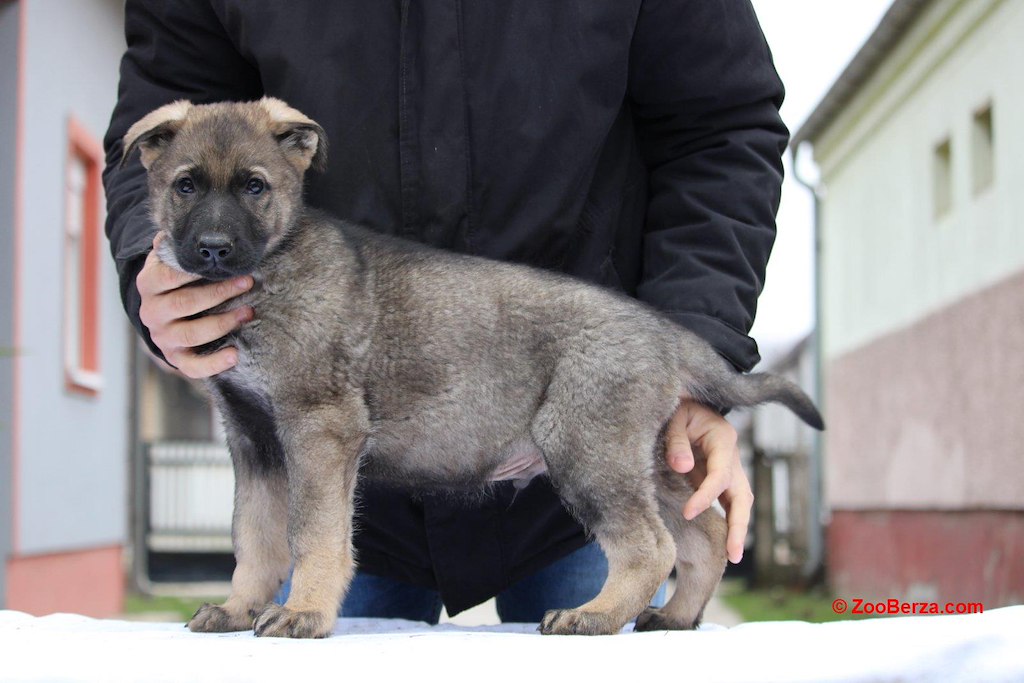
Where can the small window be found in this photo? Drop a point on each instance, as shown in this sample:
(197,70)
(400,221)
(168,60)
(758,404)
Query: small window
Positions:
(982,161)
(81,261)
(942,178)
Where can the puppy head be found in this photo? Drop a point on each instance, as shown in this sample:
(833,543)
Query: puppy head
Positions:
(225,180)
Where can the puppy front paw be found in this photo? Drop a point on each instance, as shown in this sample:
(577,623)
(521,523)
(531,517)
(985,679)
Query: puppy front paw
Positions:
(215,619)
(277,621)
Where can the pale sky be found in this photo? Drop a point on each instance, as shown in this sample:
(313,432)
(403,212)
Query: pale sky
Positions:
(812,41)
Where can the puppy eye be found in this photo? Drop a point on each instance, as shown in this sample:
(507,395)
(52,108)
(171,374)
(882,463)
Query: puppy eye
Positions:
(255,186)
(185,186)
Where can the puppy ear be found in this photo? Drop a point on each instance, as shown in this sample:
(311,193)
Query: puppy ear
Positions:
(302,139)
(154,131)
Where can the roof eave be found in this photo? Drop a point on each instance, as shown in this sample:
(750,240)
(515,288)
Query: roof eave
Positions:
(893,26)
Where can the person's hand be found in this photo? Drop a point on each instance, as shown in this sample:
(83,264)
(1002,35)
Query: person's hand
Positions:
(717,471)
(172,313)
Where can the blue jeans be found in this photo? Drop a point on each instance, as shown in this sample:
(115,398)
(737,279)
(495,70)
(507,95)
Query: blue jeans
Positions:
(569,582)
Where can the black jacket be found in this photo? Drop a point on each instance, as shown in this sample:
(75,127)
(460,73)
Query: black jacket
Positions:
(632,143)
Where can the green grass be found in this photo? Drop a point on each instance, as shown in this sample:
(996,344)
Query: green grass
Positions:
(182,608)
(782,603)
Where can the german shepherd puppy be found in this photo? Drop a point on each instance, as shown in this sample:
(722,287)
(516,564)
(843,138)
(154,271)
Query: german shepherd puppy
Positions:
(373,356)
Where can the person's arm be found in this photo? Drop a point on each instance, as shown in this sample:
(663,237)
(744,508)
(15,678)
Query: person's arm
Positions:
(705,97)
(176,50)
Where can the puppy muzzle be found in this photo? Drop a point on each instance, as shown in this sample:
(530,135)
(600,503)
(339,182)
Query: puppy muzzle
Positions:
(219,241)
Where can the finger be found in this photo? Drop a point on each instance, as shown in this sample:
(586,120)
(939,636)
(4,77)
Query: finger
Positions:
(719,447)
(188,301)
(740,504)
(678,451)
(710,489)
(191,333)
(156,277)
(195,366)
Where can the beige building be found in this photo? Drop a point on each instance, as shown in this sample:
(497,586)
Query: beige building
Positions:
(921,228)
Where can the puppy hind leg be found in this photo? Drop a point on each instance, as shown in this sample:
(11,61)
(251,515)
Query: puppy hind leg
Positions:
(639,552)
(700,557)
(609,491)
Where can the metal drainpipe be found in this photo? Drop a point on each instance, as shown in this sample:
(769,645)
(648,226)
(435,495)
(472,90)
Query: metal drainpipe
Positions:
(816,542)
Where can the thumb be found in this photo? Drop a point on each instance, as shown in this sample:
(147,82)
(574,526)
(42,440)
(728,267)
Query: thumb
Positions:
(678,452)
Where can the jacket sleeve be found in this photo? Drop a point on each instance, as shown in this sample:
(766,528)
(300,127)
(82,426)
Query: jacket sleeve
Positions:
(705,98)
(176,50)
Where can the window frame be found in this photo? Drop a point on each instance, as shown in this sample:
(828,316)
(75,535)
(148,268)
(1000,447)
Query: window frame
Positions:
(81,338)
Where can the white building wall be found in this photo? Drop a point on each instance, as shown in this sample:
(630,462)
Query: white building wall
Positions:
(887,260)
(73,453)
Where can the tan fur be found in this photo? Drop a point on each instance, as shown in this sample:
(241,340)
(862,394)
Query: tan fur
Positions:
(170,115)
(262,561)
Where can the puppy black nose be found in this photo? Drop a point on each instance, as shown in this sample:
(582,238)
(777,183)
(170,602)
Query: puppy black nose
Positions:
(214,248)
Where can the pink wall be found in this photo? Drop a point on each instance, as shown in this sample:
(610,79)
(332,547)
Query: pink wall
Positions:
(924,466)
(89,582)
(930,416)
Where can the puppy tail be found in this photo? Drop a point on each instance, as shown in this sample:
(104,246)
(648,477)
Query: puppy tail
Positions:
(715,382)
(754,389)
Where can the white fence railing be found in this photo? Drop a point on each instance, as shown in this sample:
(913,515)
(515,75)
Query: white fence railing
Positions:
(191,491)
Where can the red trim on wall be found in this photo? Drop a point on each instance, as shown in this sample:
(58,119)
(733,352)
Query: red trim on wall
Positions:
(931,555)
(89,582)
(86,149)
